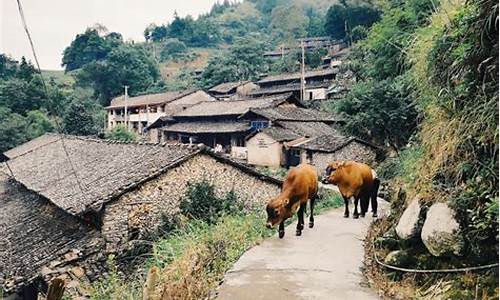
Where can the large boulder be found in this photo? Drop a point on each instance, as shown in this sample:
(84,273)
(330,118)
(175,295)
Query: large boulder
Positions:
(407,226)
(441,231)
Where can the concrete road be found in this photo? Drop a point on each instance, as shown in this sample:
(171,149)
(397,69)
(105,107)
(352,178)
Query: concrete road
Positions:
(324,263)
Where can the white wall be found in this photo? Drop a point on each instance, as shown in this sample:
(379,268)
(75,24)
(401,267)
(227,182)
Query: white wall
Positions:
(264,151)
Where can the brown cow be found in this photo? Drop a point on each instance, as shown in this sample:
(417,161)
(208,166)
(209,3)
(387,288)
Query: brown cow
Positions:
(355,180)
(301,184)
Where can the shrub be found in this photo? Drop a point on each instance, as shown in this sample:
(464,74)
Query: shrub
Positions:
(121,133)
(173,48)
(202,203)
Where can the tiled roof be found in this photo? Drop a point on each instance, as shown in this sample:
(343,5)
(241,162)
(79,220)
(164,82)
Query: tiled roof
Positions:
(234,107)
(207,127)
(292,114)
(31,145)
(105,169)
(226,87)
(281,134)
(150,99)
(292,87)
(297,76)
(331,143)
(35,233)
(308,129)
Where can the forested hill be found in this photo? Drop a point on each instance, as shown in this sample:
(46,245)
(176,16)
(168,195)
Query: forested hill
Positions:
(225,44)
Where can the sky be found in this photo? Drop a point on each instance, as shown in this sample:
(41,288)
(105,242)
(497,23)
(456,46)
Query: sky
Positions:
(54,24)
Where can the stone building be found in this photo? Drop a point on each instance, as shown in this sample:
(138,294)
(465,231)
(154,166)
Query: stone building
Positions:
(68,202)
(218,124)
(317,83)
(321,150)
(268,145)
(141,111)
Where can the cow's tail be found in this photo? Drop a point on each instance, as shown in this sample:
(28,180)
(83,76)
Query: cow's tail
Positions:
(376,185)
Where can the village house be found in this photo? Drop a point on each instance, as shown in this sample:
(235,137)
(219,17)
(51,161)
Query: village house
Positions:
(335,59)
(317,83)
(68,202)
(320,150)
(310,44)
(141,111)
(267,145)
(232,90)
(217,124)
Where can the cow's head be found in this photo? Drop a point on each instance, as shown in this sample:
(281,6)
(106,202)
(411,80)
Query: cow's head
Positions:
(276,211)
(329,176)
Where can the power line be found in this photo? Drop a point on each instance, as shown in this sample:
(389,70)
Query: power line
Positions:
(58,125)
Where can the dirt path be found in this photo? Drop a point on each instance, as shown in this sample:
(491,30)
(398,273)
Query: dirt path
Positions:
(324,263)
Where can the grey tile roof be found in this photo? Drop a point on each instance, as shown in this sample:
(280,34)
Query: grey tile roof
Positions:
(292,87)
(104,169)
(232,107)
(31,145)
(149,99)
(281,134)
(296,76)
(35,233)
(309,129)
(207,127)
(292,114)
(226,87)
(331,143)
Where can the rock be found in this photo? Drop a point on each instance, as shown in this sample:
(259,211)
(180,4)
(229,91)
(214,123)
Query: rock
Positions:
(441,232)
(78,271)
(408,223)
(398,258)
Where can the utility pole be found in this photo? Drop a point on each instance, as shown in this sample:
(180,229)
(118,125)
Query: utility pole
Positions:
(302,71)
(126,108)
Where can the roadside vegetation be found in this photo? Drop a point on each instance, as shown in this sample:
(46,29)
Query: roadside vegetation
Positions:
(429,78)
(190,260)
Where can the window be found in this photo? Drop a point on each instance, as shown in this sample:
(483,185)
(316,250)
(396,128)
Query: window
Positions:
(259,124)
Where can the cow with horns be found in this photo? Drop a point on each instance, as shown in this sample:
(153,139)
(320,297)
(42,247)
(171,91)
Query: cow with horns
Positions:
(300,185)
(355,181)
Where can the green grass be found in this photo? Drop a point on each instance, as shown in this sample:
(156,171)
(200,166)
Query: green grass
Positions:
(59,77)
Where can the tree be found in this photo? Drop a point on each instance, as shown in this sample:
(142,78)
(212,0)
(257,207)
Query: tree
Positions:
(89,47)
(12,129)
(346,16)
(38,123)
(82,117)
(243,62)
(381,111)
(21,96)
(125,65)
(8,67)
(172,48)
(288,22)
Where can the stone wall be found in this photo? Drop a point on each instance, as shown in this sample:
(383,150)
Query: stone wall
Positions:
(139,212)
(354,151)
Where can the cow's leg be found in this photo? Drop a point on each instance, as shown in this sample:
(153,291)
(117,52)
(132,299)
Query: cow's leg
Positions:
(346,204)
(355,215)
(300,221)
(311,217)
(281,230)
(376,185)
(364,205)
